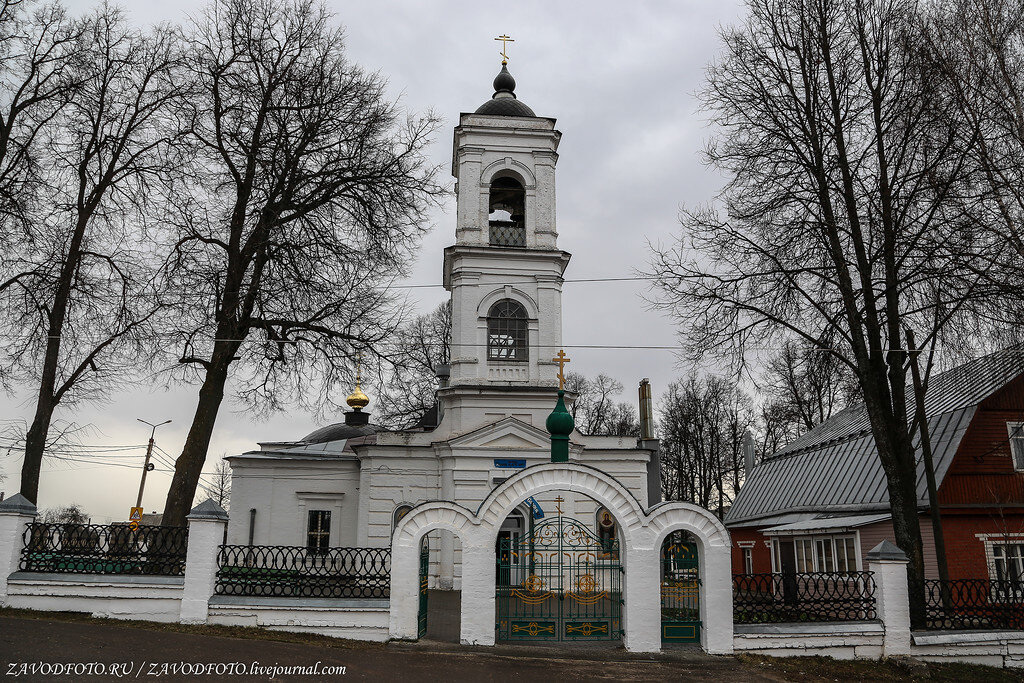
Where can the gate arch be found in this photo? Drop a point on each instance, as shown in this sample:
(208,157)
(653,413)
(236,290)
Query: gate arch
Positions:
(642,532)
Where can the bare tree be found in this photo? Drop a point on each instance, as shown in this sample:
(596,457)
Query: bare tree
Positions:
(219,486)
(37,46)
(306,192)
(408,390)
(702,423)
(842,219)
(79,310)
(64,514)
(595,409)
(804,387)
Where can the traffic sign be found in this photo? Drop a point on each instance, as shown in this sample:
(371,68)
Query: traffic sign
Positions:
(136,515)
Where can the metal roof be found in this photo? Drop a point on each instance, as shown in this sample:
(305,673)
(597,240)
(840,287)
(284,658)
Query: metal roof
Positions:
(834,467)
(828,523)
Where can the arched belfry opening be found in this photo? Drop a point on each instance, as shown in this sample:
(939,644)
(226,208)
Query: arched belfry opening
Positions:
(506,213)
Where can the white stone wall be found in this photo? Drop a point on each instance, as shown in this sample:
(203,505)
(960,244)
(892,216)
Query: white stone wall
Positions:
(841,641)
(355,619)
(145,598)
(283,490)
(991,648)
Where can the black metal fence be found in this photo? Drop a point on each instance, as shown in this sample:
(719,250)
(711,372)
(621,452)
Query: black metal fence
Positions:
(104,549)
(295,571)
(817,596)
(974,604)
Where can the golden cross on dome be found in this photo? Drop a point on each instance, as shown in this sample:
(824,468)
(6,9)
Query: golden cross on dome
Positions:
(359,369)
(505,40)
(561,360)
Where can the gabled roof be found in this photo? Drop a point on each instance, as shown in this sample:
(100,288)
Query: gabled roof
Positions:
(834,467)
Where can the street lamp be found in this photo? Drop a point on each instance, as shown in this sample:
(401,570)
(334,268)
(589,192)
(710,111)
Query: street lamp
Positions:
(149,454)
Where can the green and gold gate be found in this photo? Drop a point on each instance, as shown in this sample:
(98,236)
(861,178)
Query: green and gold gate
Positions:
(424,581)
(561,582)
(680,591)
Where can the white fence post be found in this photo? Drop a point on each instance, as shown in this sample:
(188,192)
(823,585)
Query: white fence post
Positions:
(206,523)
(15,512)
(892,596)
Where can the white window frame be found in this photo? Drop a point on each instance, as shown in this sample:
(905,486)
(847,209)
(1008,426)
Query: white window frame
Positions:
(748,559)
(775,550)
(814,542)
(992,541)
(1015,437)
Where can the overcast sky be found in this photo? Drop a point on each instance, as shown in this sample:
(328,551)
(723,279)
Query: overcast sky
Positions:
(620,78)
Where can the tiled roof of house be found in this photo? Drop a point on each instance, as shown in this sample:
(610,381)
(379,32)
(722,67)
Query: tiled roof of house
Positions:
(834,467)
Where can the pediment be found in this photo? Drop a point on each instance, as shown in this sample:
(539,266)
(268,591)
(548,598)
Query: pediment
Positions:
(506,433)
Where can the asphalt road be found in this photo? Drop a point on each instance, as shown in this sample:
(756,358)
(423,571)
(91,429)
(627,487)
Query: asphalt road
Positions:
(52,650)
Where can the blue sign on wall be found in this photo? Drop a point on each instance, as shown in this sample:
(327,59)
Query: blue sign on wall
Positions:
(510,463)
(538,513)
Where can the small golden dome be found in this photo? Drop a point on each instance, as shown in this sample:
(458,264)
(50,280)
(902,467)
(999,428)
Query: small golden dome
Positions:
(357,399)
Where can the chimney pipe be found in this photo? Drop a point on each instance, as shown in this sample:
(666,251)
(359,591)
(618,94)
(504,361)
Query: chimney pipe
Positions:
(748,453)
(646,410)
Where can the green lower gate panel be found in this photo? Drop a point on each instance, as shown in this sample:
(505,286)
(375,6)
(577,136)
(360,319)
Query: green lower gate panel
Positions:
(680,592)
(561,582)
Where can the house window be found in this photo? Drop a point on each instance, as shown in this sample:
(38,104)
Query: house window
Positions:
(776,552)
(1016,434)
(846,554)
(748,560)
(827,554)
(318,531)
(824,555)
(804,555)
(507,328)
(1008,562)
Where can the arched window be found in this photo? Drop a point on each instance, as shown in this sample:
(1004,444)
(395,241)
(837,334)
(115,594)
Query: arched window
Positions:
(506,213)
(507,332)
(400,511)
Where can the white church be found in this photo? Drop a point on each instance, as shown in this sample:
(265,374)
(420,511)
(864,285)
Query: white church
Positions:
(349,484)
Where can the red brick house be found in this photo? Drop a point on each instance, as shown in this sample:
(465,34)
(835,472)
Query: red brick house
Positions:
(820,503)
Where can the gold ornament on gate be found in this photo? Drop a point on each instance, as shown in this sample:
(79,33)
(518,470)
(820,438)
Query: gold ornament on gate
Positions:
(586,584)
(534,583)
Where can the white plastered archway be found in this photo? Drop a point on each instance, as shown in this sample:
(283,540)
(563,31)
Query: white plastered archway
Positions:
(642,535)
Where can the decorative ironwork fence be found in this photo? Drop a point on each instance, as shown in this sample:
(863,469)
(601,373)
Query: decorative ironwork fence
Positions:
(817,596)
(104,549)
(295,571)
(974,604)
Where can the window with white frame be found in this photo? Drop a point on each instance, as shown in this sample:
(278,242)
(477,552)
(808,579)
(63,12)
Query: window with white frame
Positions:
(820,554)
(1015,431)
(776,552)
(846,554)
(1008,562)
(804,555)
(748,560)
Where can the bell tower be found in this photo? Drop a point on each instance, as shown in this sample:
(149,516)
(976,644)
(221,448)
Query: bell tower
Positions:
(505,270)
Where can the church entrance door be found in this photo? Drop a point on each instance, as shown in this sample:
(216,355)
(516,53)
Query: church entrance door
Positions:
(559,582)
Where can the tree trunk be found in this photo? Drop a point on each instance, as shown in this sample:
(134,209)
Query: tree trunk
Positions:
(189,465)
(47,400)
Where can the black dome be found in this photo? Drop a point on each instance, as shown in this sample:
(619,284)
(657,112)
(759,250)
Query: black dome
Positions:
(504,102)
(504,107)
(337,432)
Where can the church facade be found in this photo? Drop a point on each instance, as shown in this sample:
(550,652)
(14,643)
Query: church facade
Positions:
(349,484)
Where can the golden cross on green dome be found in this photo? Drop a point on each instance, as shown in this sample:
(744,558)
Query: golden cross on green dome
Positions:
(505,40)
(561,360)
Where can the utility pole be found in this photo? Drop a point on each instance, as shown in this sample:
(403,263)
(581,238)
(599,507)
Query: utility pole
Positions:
(149,454)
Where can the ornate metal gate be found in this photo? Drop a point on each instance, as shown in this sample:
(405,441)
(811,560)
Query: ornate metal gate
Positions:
(424,579)
(560,582)
(680,591)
